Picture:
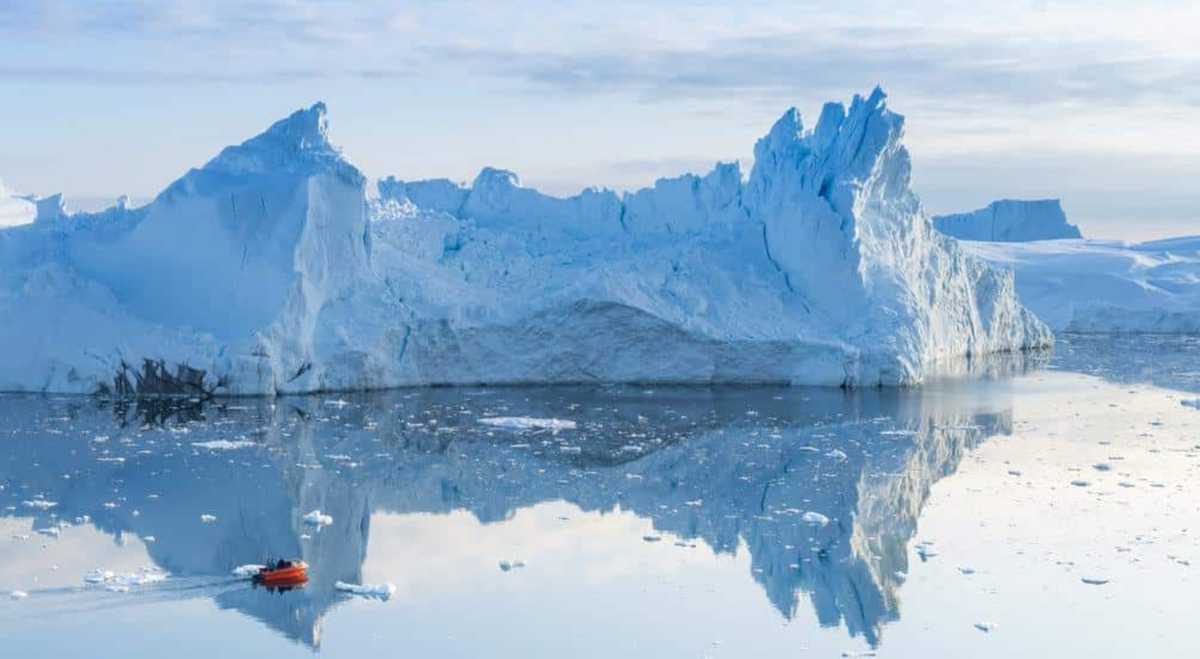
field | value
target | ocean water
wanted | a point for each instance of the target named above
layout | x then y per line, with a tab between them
1041	510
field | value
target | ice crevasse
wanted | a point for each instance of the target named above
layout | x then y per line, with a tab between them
269	270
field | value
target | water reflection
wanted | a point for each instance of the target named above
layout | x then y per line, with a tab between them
733	468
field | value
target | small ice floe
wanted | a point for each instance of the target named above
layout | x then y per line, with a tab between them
925	550
816	518
208	519
383	591
507	565
317	518
246	571
987	627
1079	482
905	433
39	504
17	595
528	423
1102	466
99	575
224	444
122	582
836	454
1093	580
149	539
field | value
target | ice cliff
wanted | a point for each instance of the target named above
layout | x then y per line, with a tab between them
269	271
1010	220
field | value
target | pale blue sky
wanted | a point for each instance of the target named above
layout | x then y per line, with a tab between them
1094	102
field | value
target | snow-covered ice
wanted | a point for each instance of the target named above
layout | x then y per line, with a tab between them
1105	285
1010	220
16	595
821	268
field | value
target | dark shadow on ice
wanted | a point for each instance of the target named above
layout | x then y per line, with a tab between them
733	467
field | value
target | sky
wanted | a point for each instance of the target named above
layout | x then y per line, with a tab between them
1092	102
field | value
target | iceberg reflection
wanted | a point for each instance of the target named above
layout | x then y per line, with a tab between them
823	487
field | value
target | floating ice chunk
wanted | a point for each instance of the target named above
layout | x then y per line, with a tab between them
246	571
99	575
815	518
1093	580
528	423
208	519
987	627
317	518
383	591
224	444
18	595
836	454
507	565
39	504
149	539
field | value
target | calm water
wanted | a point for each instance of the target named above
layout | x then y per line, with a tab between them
675	522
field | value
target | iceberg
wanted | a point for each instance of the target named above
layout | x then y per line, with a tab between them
269	270
15	209
1010	220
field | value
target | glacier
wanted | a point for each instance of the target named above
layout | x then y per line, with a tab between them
1105	286
270	270
1010	220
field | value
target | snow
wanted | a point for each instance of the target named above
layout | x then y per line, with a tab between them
1103	285
1010	220
40	504
17	595
528	423
821	268
317	518
383	591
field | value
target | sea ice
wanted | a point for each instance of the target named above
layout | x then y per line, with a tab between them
815	518
317	518
528	423
224	444
383	591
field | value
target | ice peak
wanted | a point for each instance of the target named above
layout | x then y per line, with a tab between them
492	177
306	129
297	144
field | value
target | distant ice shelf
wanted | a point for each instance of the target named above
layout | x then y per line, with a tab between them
268	270
1105	286
1010	220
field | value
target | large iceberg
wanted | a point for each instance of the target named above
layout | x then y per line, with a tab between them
1010	220
268	271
